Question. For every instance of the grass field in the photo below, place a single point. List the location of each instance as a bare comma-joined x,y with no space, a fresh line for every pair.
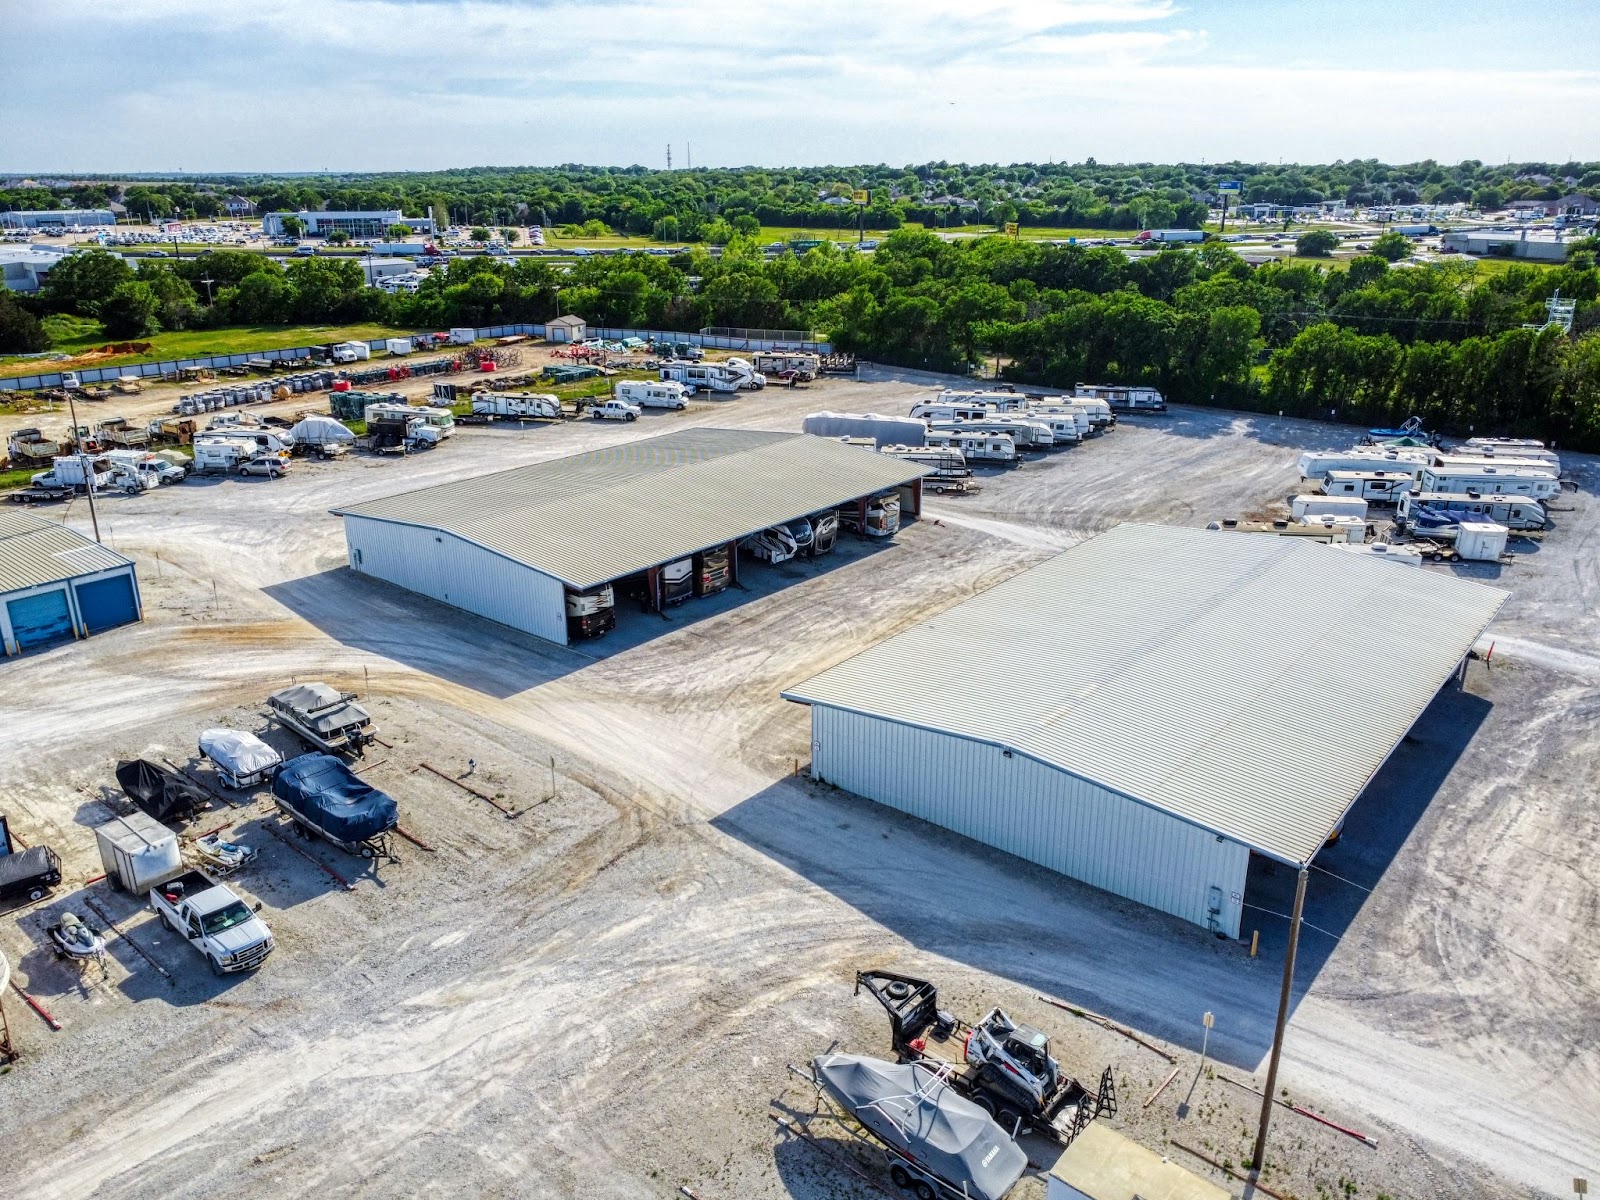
75,336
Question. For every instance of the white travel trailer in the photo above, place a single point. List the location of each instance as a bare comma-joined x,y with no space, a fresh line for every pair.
1328,506
1475,461
946,460
974,445
1030,435
1491,479
1499,447
1512,512
937,410
255,438
1051,408
1124,399
1063,426
1381,487
1316,464
544,406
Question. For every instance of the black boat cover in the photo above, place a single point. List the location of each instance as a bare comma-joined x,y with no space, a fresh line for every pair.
161,793
330,796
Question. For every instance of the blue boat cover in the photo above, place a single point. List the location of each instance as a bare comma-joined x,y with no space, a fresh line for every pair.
320,788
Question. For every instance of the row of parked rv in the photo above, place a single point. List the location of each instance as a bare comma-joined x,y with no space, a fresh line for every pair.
1461,502
958,428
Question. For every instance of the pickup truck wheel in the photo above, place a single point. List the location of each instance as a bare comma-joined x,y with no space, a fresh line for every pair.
633,416
36,893
166,921
216,967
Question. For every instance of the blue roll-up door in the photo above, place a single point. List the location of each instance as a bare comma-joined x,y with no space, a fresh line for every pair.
39,619
107,603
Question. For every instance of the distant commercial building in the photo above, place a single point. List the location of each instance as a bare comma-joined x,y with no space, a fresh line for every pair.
1518,243
23,268
239,206
56,218
55,584
356,224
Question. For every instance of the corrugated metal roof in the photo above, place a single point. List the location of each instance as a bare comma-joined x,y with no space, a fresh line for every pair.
599,516
34,550
1249,684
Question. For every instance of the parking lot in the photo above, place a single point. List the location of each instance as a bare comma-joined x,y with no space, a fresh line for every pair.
598,996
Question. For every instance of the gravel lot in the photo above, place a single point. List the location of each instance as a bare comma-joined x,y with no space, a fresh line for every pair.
598,997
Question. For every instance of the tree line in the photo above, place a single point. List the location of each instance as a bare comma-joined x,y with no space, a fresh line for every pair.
636,200
1456,345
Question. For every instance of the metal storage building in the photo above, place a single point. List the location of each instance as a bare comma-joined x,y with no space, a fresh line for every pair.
1173,716
508,546
55,584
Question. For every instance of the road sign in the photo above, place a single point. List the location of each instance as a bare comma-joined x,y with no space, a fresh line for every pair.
860,197
1230,185
1011,229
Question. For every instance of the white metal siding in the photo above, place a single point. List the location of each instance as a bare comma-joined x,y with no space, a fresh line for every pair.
456,572
1034,811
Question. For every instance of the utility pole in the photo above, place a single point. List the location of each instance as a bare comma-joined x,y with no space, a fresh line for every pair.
84,466
208,283
1259,1155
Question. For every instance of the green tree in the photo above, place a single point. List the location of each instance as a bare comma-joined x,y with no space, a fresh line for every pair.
131,311
179,304
718,232
263,298
1318,243
398,233
511,236
81,282
294,226
1365,269
666,229
20,330
1391,246
338,237
1489,198
479,234
747,225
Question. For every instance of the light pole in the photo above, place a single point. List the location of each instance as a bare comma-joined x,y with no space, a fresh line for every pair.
84,466
1258,1157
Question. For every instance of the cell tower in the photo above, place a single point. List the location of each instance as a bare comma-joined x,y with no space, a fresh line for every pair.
669,156
1559,312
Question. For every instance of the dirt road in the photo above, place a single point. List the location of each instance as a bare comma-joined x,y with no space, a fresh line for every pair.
599,996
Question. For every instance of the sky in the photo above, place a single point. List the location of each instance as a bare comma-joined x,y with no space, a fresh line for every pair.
351,85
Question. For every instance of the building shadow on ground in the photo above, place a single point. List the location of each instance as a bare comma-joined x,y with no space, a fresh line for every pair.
474,652
955,898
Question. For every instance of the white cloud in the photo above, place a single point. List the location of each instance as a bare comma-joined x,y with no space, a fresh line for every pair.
366,84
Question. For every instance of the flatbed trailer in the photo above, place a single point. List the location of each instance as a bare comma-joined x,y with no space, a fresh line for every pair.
42,495
922,1033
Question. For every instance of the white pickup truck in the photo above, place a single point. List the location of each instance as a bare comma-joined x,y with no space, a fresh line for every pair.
616,410
212,919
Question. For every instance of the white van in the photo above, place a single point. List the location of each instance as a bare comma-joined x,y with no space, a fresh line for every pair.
647,393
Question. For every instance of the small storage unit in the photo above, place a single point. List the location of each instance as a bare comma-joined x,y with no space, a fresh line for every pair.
566,329
56,584
1481,541
138,852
